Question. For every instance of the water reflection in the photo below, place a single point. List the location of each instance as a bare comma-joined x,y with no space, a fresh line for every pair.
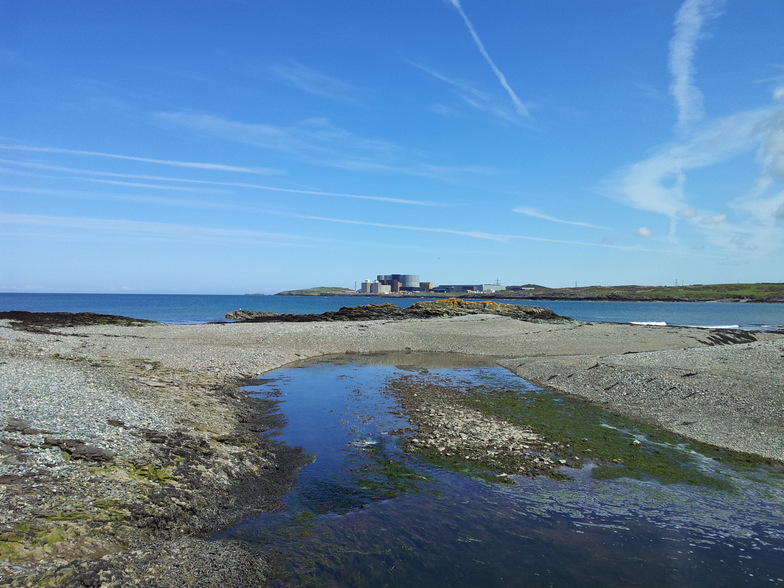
367,514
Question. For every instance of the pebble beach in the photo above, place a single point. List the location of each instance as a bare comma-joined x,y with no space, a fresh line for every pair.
124,446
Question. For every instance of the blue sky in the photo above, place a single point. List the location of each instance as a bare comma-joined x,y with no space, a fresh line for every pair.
238,146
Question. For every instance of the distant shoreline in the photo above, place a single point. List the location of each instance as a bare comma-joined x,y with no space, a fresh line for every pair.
547,295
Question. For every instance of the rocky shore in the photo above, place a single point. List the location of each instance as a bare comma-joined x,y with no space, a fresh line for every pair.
447,307
124,445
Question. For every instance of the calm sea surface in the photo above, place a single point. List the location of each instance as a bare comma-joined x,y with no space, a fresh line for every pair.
193,309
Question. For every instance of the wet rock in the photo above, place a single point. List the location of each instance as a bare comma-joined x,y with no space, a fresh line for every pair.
448,430
78,449
42,322
426,309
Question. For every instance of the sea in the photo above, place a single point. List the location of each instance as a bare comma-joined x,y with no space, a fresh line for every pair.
204,308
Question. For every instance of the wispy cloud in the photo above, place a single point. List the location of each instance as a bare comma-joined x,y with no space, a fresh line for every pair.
117,229
537,214
316,83
190,181
518,104
462,233
88,228
476,99
317,141
689,22
185,164
660,183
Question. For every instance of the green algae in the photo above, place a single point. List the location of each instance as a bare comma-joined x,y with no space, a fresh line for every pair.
386,476
23,539
618,446
151,473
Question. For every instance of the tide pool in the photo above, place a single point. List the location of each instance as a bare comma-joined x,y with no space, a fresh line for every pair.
366,513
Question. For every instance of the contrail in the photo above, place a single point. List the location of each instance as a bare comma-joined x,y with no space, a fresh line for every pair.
683,46
521,109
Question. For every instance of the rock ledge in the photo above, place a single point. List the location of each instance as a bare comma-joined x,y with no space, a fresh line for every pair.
426,309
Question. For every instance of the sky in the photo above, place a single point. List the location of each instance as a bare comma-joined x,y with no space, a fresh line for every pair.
237,146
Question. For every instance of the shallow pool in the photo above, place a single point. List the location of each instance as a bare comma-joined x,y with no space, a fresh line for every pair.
366,513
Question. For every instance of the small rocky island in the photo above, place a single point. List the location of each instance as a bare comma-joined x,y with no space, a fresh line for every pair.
448,307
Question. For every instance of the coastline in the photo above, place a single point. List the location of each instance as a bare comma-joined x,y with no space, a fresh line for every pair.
164,401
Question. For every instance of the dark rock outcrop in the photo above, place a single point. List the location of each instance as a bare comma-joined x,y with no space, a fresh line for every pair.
41,322
426,309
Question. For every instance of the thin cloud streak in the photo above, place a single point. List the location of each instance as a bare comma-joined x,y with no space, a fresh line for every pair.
519,106
474,98
535,214
265,211
154,230
185,164
149,186
216,183
683,47
317,141
471,234
314,82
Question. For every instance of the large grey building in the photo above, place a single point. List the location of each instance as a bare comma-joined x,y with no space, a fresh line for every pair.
405,281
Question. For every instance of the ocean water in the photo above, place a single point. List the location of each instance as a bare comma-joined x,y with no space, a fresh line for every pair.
194,309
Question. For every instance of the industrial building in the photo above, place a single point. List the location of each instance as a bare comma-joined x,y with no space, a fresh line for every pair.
447,288
401,283
392,283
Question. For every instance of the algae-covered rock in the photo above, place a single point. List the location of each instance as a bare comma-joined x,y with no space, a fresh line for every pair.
426,309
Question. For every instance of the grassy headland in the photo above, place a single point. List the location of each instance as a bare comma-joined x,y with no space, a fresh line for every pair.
761,292
318,291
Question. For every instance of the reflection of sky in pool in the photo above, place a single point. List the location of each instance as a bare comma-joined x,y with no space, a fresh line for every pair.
366,514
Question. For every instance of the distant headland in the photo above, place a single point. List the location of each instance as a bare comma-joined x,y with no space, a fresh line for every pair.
756,292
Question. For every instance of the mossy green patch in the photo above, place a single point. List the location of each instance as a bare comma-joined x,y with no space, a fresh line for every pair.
18,543
151,473
620,446
387,476
58,579
10,550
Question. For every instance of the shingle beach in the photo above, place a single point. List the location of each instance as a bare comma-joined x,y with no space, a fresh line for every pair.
123,446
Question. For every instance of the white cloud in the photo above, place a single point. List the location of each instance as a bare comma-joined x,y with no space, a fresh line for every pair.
644,232
715,219
683,47
518,104
536,214
660,183
686,213
773,147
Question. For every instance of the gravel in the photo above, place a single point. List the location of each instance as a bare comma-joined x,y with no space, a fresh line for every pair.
148,394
